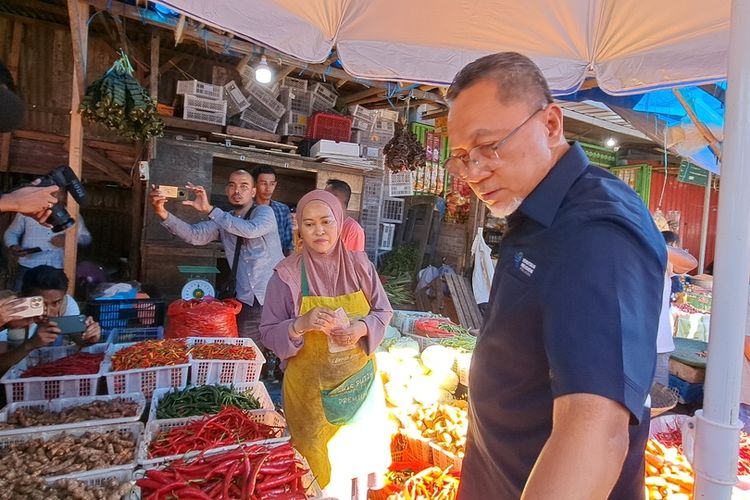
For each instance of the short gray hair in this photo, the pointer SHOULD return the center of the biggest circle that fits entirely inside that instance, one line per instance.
(516, 76)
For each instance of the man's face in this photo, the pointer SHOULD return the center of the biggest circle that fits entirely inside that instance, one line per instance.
(478, 118)
(266, 186)
(53, 301)
(338, 196)
(240, 190)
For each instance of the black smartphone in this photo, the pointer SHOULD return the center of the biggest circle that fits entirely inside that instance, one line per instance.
(70, 325)
(29, 251)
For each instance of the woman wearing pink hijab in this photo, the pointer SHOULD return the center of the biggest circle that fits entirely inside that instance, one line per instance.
(325, 314)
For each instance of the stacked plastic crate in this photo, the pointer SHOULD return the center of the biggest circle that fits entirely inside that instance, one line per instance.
(297, 101)
(373, 129)
(202, 102)
(264, 111)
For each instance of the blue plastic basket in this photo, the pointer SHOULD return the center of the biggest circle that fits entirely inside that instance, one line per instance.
(127, 313)
(125, 335)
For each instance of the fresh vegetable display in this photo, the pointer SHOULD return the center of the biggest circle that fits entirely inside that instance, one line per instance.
(230, 426)
(397, 475)
(432, 483)
(445, 425)
(398, 289)
(22, 462)
(96, 410)
(80, 363)
(150, 354)
(438, 328)
(223, 351)
(403, 260)
(204, 400)
(252, 472)
(118, 101)
(668, 473)
(34, 487)
(464, 342)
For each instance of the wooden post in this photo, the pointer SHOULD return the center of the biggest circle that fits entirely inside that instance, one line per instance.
(713, 142)
(78, 12)
(13, 61)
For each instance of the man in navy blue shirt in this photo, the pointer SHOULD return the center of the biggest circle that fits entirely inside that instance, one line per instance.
(561, 374)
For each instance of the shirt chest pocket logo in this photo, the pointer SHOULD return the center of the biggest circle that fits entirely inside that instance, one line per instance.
(523, 265)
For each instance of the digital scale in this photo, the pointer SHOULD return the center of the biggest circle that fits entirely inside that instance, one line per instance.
(198, 286)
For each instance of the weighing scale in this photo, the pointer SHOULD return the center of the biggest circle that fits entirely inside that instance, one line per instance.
(198, 286)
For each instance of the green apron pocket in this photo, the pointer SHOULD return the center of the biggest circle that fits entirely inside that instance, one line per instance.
(341, 403)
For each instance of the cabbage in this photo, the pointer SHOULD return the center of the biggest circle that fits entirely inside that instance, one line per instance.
(426, 391)
(405, 348)
(412, 367)
(438, 358)
(397, 394)
(445, 379)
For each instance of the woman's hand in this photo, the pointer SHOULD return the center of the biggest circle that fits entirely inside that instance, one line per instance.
(93, 332)
(318, 319)
(46, 333)
(347, 337)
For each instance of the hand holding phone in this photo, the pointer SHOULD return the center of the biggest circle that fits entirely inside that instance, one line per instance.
(31, 307)
(70, 325)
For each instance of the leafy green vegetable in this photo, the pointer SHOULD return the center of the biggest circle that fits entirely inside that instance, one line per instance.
(118, 101)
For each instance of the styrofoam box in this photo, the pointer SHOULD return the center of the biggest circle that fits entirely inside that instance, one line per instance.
(257, 389)
(326, 147)
(268, 417)
(44, 388)
(144, 380)
(224, 371)
(58, 405)
(135, 429)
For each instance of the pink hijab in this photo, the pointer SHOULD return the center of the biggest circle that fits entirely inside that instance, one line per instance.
(339, 272)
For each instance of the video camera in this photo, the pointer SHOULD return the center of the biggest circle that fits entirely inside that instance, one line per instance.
(64, 178)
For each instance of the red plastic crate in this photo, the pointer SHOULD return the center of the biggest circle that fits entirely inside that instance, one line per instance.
(329, 126)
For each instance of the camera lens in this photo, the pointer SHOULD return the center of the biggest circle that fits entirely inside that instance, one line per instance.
(60, 219)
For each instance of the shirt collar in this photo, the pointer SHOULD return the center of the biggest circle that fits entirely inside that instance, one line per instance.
(545, 200)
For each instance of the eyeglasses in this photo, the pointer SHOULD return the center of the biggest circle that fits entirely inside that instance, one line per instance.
(460, 164)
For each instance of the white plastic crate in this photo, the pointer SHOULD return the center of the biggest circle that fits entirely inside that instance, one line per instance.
(384, 127)
(388, 231)
(400, 183)
(196, 115)
(263, 101)
(370, 153)
(373, 139)
(129, 335)
(144, 380)
(294, 83)
(363, 117)
(324, 94)
(387, 114)
(236, 100)
(257, 389)
(43, 388)
(424, 342)
(58, 405)
(255, 120)
(400, 316)
(222, 371)
(295, 118)
(135, 429)
(393, 210)
(207, 105)
(290, 129)
(153, 428)
(200, 89)
(123, 474)
(295, 100)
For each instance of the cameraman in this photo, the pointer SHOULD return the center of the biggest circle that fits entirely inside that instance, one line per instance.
(32, 201)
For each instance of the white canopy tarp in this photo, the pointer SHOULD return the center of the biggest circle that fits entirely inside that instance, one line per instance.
(650, 45)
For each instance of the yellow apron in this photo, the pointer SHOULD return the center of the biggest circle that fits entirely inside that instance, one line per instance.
(334, 402)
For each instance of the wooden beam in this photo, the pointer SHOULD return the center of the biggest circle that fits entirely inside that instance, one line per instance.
(78, 14)
(238, 46)
(713, 142)
(13, 63)
(103, 164)
(78, 11)
(179, 30)
(589, 83)
(358, 96)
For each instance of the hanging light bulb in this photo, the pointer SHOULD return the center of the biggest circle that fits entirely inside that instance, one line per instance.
(611, 142)
(263, 71)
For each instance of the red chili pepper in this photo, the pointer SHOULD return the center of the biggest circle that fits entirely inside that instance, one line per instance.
(223, 351)
(150, 354)
(80, 363)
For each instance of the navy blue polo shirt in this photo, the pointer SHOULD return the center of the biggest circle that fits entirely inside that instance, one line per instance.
(574, 308)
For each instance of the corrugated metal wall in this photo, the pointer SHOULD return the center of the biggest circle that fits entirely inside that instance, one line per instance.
(687, 199)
